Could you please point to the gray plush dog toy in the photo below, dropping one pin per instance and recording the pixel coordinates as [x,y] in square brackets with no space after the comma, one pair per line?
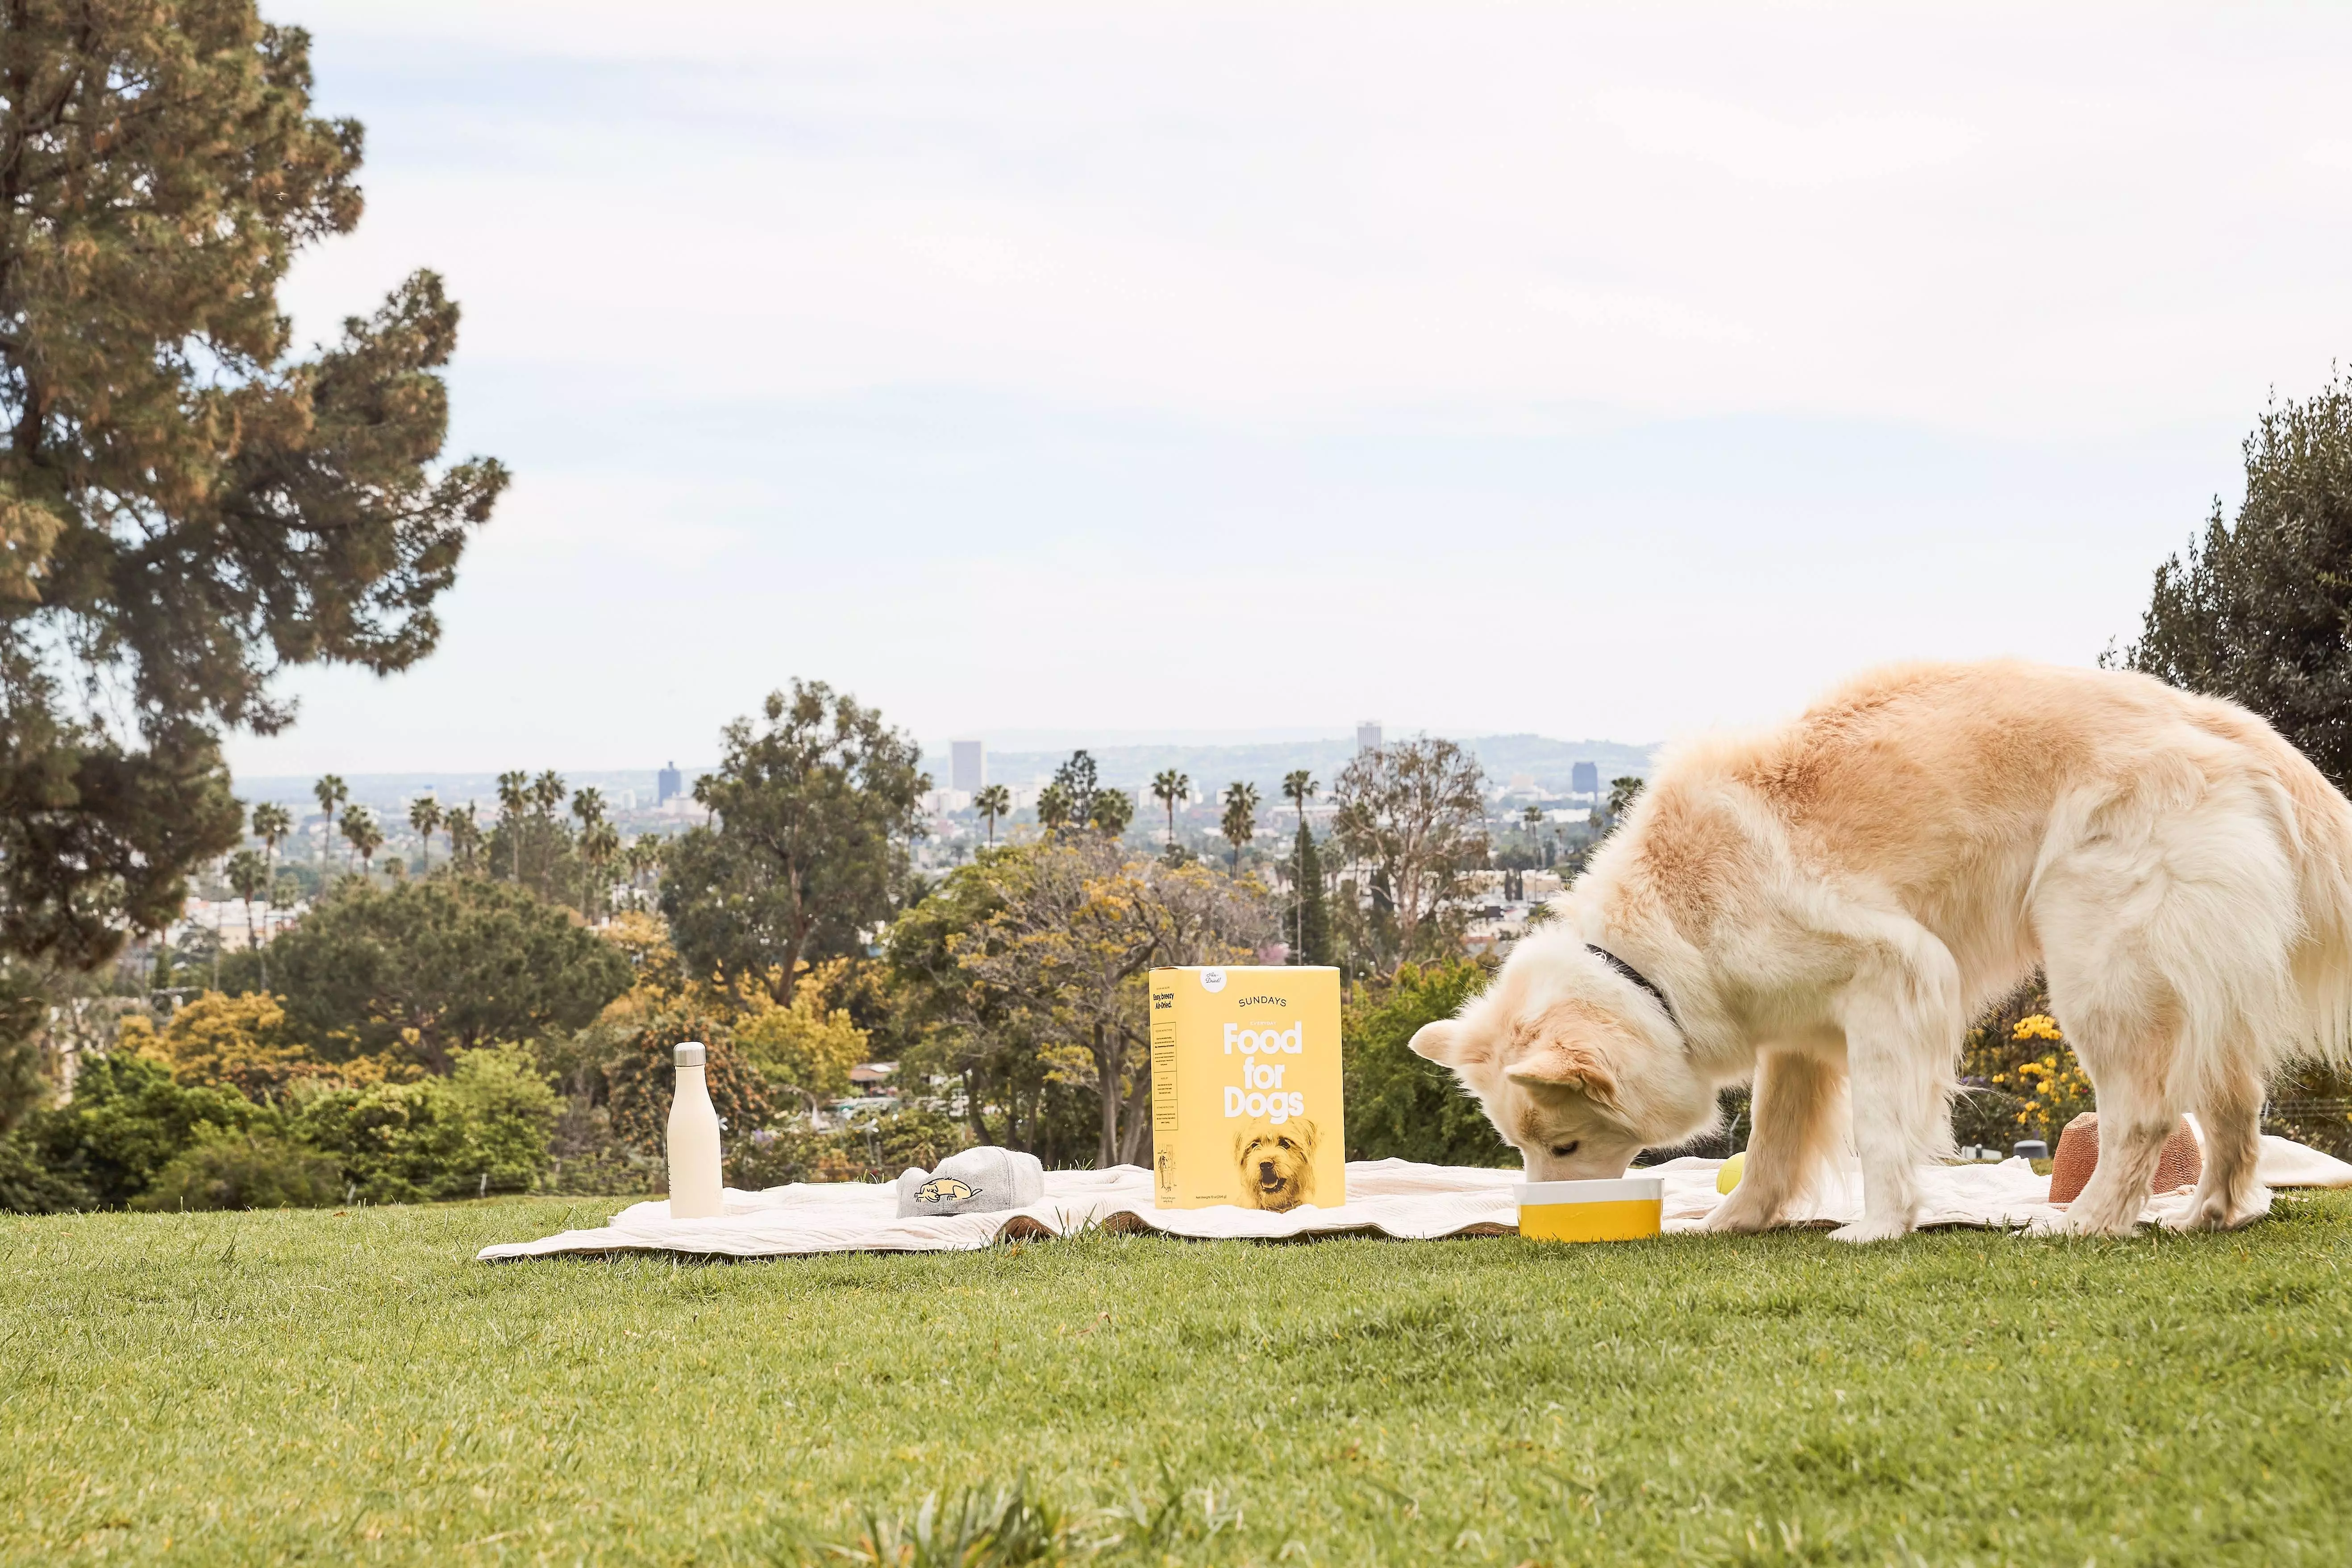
[978,1181]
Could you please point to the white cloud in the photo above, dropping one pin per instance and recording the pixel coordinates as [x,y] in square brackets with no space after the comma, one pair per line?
[1835,150]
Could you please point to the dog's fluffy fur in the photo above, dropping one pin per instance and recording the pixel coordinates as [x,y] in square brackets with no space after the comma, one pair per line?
[1276,1164]
[1828,904]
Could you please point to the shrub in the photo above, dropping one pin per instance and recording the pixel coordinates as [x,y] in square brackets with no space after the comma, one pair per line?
[485,1127]
[1402,1106]
[126,1121]
[27,1186]
[242,1171]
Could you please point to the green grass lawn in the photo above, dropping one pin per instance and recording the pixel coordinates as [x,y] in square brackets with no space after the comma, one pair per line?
[281,1386]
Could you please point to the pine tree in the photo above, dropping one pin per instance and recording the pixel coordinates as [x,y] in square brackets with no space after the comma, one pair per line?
[2256,610]
[1313,921]
[185,507]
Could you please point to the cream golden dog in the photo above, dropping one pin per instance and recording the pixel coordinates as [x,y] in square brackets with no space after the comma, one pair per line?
[1276,1164]
[1824,908]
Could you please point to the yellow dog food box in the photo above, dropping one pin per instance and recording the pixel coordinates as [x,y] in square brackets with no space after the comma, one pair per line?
[1245,1103]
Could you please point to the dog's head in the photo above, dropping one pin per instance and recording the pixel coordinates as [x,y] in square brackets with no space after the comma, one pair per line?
[1577,1066]
[1276,1164]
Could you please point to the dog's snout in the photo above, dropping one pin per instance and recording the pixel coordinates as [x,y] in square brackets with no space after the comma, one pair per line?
[1266,1170]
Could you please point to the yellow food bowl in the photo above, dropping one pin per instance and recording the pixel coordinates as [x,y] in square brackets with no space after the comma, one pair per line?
[1627,1209]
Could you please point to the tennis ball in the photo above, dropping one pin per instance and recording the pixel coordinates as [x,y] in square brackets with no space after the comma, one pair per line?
[1727,1176]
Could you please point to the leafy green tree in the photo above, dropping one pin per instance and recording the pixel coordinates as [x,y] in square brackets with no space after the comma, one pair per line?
[1239,822]
[425,816]
[185,509]
[1076,929]
[1169,787]
[432,967]
[219,1041]
[816,807]
[1401,1106]
[992,802]
[1415,813]
[2256,610]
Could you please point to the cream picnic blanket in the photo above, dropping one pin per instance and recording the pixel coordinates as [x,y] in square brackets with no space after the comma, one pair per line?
[1385,1197]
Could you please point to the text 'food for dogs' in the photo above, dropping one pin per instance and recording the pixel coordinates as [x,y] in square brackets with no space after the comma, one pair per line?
[1245,1088]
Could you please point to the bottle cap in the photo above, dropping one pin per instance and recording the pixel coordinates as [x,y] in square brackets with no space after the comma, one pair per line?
[690,1055]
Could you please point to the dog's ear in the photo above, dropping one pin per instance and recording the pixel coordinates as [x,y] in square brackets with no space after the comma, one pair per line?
[1559,1064]
[1445,1042]
[1305,1136]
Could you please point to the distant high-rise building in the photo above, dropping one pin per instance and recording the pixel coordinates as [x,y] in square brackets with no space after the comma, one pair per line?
[968,766]
[1584,779]
[666,784]
[1367,736]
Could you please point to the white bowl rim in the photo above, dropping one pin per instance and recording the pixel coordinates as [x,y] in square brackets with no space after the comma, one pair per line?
[1610,1190]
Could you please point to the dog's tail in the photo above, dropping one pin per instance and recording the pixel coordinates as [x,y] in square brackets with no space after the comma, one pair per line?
[2319,834]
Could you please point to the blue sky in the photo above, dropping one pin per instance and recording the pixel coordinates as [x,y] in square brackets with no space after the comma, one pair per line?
[1221,368]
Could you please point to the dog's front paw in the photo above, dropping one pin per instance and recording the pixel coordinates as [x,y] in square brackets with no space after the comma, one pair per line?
[1864,1230]
[1733,1217]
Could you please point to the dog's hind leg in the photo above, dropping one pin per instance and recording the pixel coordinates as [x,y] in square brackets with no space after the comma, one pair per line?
[1798,1128]
[2228,1194]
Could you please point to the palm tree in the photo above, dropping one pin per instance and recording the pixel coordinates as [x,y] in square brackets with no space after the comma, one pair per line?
[588,805]
[643,858]
[992,802]
[1114,810]
[1167,787]
[331,792]
[465,835]
[514,799]
[272,824]
[1240,817]
[1053,807]
[547,792]
[360,827]
[425,816]
[598,845]
[250,875]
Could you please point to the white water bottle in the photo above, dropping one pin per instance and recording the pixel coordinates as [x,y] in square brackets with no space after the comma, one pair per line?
[693,1141]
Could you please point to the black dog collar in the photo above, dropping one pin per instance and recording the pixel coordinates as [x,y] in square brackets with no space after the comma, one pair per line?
[1637,977]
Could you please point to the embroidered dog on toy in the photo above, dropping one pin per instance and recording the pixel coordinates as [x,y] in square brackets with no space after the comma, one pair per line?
[1821,909]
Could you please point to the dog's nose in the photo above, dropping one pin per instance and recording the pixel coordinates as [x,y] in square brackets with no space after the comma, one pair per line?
[1266,1170]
